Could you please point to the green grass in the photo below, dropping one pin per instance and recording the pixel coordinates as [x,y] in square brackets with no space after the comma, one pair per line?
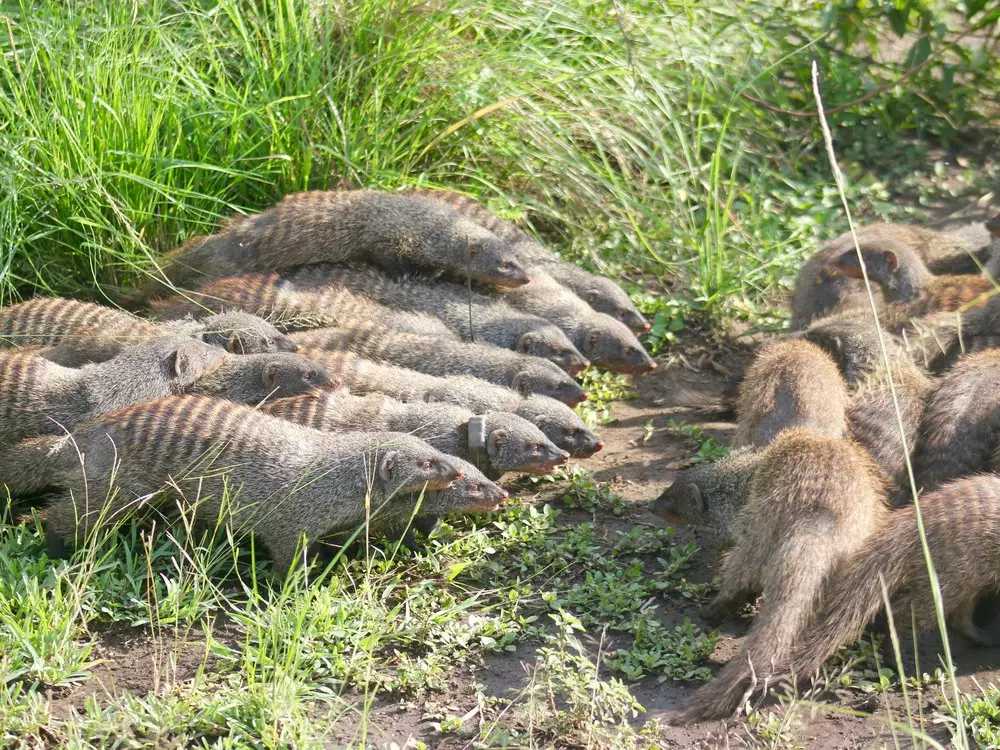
[628,135]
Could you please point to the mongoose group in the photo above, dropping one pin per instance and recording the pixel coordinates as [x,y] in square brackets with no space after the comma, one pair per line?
[834,420]
[343,360]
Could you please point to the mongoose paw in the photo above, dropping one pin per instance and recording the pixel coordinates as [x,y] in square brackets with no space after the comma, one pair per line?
[715,612]
[55,547]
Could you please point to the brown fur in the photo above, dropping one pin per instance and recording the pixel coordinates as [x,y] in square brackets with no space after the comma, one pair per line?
[790,383]
[814,501]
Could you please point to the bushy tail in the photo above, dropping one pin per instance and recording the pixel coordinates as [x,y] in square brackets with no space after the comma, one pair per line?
[718,405]
[853,596]
[789,601]
[29,467]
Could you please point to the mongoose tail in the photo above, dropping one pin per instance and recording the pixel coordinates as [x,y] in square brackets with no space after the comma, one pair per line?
[790,383]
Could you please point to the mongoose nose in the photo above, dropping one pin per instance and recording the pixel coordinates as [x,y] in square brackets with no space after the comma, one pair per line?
[646,328]
[599,446]
[652,366]
[585,397]
[504,494]
[459,475]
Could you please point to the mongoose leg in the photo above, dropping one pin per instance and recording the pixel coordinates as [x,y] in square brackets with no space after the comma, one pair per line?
[961,621]
[726,604]
[425,524]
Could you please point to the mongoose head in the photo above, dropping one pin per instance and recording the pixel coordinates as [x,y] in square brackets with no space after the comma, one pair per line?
[177,360]
[545,378]
[489,260]
[473,493]
[852,342]
[243,333]
[898,269]
[407,464]
[515,444]
[287,375]
[561,425]
[609,343]
[607,297]
[993,226]
[550,343]
[709,494]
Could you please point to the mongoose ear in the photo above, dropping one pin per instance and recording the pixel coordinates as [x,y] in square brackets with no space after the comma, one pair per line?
[495,442]
[522,383]
[526,344]
[271,374]
[592,338]
[848,263]
[183,367]
[387,465]
[235,343]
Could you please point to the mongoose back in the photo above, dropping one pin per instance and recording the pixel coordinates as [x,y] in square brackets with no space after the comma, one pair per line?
[337,292]
[852,341]
[293,303]
[598,337]
[525,374]
[823,289]
[558,422]
[397,232]
[83,332]
[283,480]
[511,443]
[814,501]
[599,292]
[961,424]
[39,397]
[962,524]
[790,383]
[255,378]
[872,422]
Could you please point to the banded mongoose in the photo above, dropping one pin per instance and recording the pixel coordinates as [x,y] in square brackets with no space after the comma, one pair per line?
[397,232]
[236,465]
[336,292]
[790,383]
[873,424]
[39,397]
[510,443]
[821,289]
[852,341]
[74,328]
[598,337]
[961,424]
[814,501]
[525,374]
[962,525]
[599,292]
[293,304]
[558,422]
[256,378]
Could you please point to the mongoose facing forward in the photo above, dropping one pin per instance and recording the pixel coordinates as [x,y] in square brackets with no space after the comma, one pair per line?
[525,374]
[292,304]
[599,292]
[395,231]
[962,524]
[83,332]
[598,337]
[558,422]
[40,397]
[341,288]
[255,378]
[790,383]
[814,501]
[283,480]
[961,424]
[511,443]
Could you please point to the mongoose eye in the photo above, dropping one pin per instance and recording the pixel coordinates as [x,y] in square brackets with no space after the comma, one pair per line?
[309,376]
[268,344]
[476,489]
[427,465]
[536,449]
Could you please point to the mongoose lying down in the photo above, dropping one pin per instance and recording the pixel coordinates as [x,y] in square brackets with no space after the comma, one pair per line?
[599,292]
[598,337]
[342,296]
[852,341]
[255,378]
[814,501]
[525,374]
[39,397]
[790,383]
[509,443]
[823,289]
[82,332]
[294,301]
[558,422]
[395,231]
[962,524]
[231,464]
[961,424]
